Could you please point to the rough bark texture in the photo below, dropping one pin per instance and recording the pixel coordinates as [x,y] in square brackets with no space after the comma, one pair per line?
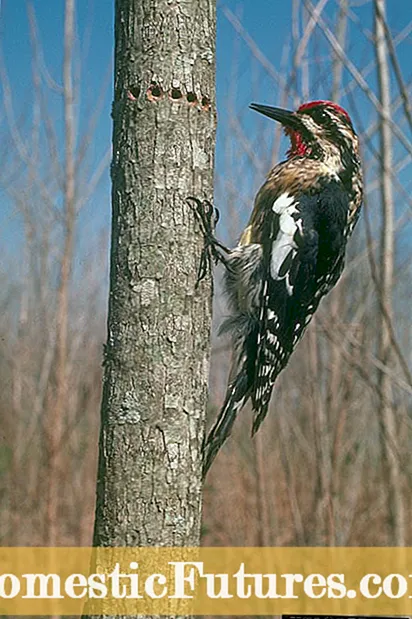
[156,359]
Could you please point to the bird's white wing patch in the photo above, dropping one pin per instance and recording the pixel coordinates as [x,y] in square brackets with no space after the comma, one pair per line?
[283,202]
[284,246]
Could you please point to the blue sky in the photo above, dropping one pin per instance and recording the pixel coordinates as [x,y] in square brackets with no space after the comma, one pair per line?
[269,24]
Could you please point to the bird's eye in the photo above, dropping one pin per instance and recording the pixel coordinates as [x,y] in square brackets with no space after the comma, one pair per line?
[321,116]
[318,114]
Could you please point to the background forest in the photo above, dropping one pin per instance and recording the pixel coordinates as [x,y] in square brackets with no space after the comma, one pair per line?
[331,464]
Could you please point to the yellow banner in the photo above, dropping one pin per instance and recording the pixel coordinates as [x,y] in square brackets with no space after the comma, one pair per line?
[205,581]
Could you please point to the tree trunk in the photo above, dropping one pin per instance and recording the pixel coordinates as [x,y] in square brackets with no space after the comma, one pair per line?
[157,353]
[386,410]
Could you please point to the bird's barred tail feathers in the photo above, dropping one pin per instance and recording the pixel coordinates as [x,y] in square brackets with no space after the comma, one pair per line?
[270,356]
[237,395]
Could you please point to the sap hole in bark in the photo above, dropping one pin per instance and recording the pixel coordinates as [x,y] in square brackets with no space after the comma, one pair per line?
[133,92]
[191,97]
[205,103]
[154,92]
[176,94]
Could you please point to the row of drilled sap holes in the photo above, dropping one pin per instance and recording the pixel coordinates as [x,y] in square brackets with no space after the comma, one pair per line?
[155,92]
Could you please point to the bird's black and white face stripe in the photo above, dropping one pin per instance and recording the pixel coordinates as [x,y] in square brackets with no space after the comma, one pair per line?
[326,124]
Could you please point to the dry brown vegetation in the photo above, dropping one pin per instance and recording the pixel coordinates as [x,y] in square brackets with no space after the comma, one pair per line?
[331,465]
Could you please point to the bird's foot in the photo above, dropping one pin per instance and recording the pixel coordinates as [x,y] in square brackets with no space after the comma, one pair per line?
[208,216]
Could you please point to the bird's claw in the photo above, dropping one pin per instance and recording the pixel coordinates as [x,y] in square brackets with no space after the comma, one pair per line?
[208,217]
[207,214]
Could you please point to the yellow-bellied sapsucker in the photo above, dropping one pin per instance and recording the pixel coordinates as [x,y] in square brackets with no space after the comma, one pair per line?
[288,257]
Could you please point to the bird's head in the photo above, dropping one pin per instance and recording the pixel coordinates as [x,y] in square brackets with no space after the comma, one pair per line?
[316,129]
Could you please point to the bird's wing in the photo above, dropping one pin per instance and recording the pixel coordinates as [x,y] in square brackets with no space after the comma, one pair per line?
[299,269]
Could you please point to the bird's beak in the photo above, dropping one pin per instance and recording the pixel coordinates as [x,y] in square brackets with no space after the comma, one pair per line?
[285,117]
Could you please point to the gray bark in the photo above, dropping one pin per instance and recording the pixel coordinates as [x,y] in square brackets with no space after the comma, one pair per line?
[157,353]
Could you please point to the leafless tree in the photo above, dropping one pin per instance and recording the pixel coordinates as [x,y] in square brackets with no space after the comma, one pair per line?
[50,406]
[55,424]
[156,357]
[386,408]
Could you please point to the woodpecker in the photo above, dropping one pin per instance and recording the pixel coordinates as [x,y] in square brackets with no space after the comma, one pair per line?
[289,256]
